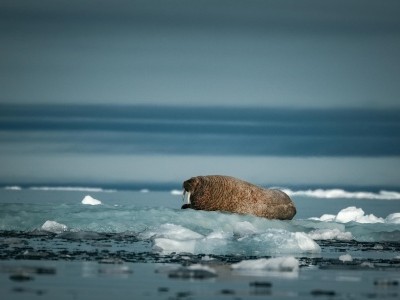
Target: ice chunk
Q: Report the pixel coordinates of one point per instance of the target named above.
(168, 246)
(191, 242)
(244, 228)
(280, 241)
(393, 218)
(355, 214)
(350, 214)
(172, 231)
(280, 264)
(88, 200)
(53, 226)
(330, 234)
(202, 267)
(327, 217)
(305, 243)
(345, 258)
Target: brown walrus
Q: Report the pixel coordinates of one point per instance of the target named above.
(229, 194)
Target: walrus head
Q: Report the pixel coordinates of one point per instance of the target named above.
(189, 186)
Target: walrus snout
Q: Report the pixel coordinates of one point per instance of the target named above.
(229, 194)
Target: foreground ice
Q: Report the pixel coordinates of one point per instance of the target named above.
(165, 230)
(170, 238)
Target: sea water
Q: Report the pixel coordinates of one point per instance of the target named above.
(110, 233)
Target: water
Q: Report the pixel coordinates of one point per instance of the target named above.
(51, 244)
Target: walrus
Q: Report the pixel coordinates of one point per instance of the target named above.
(229, 194)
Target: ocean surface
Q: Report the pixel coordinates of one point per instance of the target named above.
(346, 237)
(90, 201)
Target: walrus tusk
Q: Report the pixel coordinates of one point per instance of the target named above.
(186, 197)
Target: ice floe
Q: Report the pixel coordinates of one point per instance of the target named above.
(279, 264)
(354, 214)
(393, 218)
(88, 200)
(345, 258)
(53, 226)
(340, 193)
(330, 234)
(170, 238)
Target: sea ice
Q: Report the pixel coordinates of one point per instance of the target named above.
(305, 243)
(340, 193)
(352, 214)
(169, 238)
(244, 228)
(88, 200)
(168, 246)
(172, 231)
(393, 218)
(280, 264)
(355, 214)
(330, 234)
(345, 258)
(53, 226)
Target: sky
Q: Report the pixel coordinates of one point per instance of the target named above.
(304, 66)
(259, 53)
